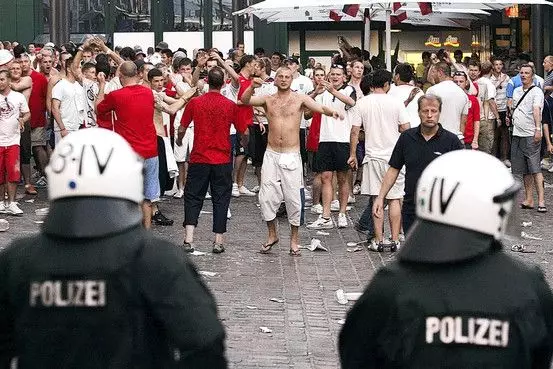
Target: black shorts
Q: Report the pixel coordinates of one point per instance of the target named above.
(25, 145)
(332, 156)
(238, 148)
(259, 145)
(313, 162)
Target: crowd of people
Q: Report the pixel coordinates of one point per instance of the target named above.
(346, 129)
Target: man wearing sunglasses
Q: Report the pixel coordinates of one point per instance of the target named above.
(14, 112)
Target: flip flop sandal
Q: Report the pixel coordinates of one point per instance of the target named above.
(295, 252)
(266, 248)
(524, 206)
(542, 209)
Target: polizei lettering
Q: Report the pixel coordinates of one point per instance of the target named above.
(67, 294)
(467, 330)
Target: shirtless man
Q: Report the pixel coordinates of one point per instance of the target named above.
(281, 173)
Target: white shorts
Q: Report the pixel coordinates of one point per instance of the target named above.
(373, 175)
(182, 153)
(282, 179)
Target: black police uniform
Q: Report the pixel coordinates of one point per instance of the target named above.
(459, 302)
(95, 290)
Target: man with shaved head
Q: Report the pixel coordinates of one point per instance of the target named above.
(548, 74)
(133, 106)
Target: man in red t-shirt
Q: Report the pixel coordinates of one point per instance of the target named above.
(244, 116)
(210, 164)
(37, 105)
(472, 128)
(133, 106)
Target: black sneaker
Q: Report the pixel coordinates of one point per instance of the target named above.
(187, 247)
(218, 248)
(162, 220)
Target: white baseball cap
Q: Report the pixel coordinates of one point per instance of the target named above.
(5, 57)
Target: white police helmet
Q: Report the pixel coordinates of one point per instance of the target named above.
(95, 162)
(467, 189)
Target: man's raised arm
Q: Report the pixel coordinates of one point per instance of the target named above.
(312, 105)
(248, 99)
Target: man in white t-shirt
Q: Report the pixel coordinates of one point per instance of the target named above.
(455, 101)
(527, 108)
(302, 85)
(333, 151)
(14, 112)
(68, 104)
(383, 118)
(404, 91)
(486, 98)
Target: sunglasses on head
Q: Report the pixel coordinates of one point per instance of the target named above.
(459, 74)
(337, 66)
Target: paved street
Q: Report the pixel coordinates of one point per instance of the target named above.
(305, 319)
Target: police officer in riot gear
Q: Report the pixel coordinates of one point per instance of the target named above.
(454, 299)
(94, 289)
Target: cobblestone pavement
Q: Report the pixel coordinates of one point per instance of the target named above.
(305, 317)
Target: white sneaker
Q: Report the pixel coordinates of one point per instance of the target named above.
(235, 191)
(317, 209)
(13, 209)
(255, 189)
(357, 189)
(321, 223)
(342, 220)
(507, 163)
(207, 195)
(179, 194)
(351, 199)
(3, 207)
(244, 191)
(229, 215)
(335, 206)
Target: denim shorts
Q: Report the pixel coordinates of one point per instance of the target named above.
(151, 179)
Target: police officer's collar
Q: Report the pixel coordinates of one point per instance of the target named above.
(90, 217)
(435, 243)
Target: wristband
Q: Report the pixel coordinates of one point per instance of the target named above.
(538, 129)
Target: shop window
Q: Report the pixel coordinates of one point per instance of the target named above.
(87, 16)
(188, 15)
(133, 15)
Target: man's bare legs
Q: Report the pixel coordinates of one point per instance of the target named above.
(241, 170)
(326, 192)
(538, 183)
(41, 158)
(394, 215)
(183, 171)
(316, 188)
(344, 179)
(529, 189)
(11, 188)
(147, 214)
(294, 239)
(238, 162)
(272, 236)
